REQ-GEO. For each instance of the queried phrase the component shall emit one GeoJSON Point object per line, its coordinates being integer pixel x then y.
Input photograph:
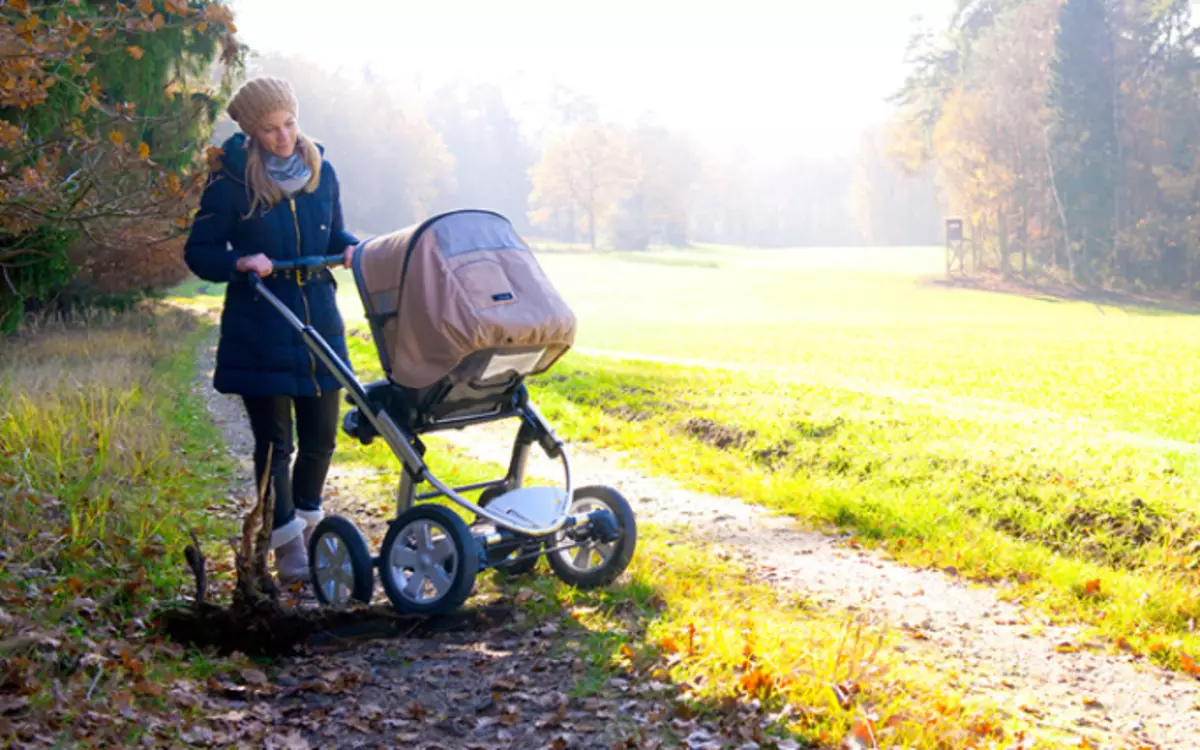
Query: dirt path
{"type": "Point", "coordinates": [492, 689]}
{"type": "Point", "coordinates": [998, 649]}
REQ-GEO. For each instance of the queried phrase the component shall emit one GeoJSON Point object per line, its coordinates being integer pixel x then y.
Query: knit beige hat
{"type": "Point", "coordinates": [259, 97]}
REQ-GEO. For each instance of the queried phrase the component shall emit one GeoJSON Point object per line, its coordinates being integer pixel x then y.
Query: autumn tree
{"type": "Point", "coordinates": [104, 113]}
{"type": "Point", "coordinates": [1065, 131]}
{"type": "Point", "coordinates": [888, 204]}
{"type": "Point", "coordinates": [584, 175]}
{"type": "Point", "coordinates": [661, 200]}
{"type": "Point", "coordinates": [491, 156]}
{"type": "Point", "coordinates": [1084, 136]}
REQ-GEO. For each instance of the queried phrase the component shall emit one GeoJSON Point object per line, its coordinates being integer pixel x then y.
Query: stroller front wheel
{"type": "Point", "coordinates": [596, 563]}
{"type": "Point", "coordinates": [428, 561]}
{"type": "Point", "coordinates": [340, 563]}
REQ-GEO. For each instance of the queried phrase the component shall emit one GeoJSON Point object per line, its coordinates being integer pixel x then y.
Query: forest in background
{"type": "Point", "coordinates": [580, 179]}
{"type": "Point", "coordinates": [1063, 132]}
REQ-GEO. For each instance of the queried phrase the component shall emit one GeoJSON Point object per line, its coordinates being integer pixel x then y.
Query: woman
{"type": "Point", "coordinates": [275, 197]}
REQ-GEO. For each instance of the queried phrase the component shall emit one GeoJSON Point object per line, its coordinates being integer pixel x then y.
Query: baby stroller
{"type": "Point", "coordinates": [461, 313]}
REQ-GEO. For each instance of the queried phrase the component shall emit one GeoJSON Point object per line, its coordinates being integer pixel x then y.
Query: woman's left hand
{"type": "Point", "coordinates": [350, 255]}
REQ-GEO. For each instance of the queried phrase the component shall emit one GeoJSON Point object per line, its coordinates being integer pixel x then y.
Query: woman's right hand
{"type": "Point", "coordinates": [258, 263]}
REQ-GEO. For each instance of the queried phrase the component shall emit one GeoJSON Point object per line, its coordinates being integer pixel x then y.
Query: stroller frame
{"type": "Point", "coordinates": [517, 541]}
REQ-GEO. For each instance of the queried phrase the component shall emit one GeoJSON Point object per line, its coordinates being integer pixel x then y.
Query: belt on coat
{"type": "Point", "coordinates": [304, 276]}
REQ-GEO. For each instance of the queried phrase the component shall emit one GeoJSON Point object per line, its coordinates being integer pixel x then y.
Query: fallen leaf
{"type": "Point", "coordinates": [254, 676]}
{"type": "Point", "coordinates": [145, 687]}
{"type": "Point", "coordinates": [198, 736]}
{"type": "Point", "coordinates": [1066, 647]}
{"type": "Point", "coordinates": [755, 681]}
{"type": "Point", "coordinates": [290, 741]}
{"type": "Point", "coordinates": [1189, 665]}
{"type": "Point", "coordinates": [861, 737]}
{"type": "Point", "coordinates": [233, 717]}
{"type": "Point", "coordinates": [1092, 703]}
{"type": "Point", "coordinates": [12, 704]}
{"type": "Point", "coordinates": [504, 683]}
{"type": "Point", "coordinates": [510, 716]}
{"type": "Point", "coordinates": [1092, 587]}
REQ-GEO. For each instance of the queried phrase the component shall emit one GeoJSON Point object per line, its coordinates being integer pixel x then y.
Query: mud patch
{"type": "Point", "coordinates": [724, 437]}
{"type": "Point", "coordinates": [774, 456]}
{"type": "Point", "coordinates": [626, 412]}
{"type": "Point", "coordinates": [817, 430]}
{"type": "Point", "coordinates": [1109, 534]}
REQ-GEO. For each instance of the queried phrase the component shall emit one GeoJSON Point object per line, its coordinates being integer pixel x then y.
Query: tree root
{"type": "Point", "coordinates": [257, 624]}
{"type": "Point", "coordinates": [277, 631]}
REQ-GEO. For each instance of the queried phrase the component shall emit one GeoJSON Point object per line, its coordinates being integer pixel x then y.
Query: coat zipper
{"type": "Point", "coordinates": [304, 297]}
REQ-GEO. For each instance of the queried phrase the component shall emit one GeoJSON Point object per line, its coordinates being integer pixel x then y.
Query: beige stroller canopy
{"type": "Point", "coordinates": [457, 284]}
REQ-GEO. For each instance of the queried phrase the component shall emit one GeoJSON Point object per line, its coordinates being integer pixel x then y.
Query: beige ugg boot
{"type": "Point", "coordinates": [291, 555]}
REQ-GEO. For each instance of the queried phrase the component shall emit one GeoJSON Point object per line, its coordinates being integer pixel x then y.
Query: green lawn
{"type": "Point", "coordinates": [807, 319]}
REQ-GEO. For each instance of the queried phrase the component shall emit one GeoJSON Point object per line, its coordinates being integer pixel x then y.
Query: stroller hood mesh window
{"type": "Point", "coordinates": [455, 285]}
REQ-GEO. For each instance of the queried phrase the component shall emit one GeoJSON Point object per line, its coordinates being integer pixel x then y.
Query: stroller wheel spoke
{"type": "Point", "coordinates": [583, 557]}
{"type": "Point", "coordinates": [443, 549]}
{"type": "Point", "coordinates": [341, 559]}
{"type": "Point", "coordinates": [424, 541]}
{"type": "Point", "coordinates": [440, 580]}
{"type": "Point", "coordinates": [415, 586]}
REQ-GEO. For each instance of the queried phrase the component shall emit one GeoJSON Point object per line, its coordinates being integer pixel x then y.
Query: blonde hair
{"type": "Point", "coordinates": [250, 104]}
{"type": "Point", "coordinates": [265, 192]}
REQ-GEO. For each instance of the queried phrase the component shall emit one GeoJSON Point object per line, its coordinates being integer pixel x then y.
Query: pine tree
{"type": "Point", "coordinates": [1084, 138]}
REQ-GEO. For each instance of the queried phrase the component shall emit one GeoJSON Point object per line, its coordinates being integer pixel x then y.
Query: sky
{"type": "Point", "coordinates": [766, 79]}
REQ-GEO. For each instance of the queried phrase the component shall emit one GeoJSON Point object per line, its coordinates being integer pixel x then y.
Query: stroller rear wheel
{"type": "Point", "coordinates": [428, 561]}
{"type": "Point", "coordinates": [594, 562]}
{"type": "Point", "coordinates": [340, 563]}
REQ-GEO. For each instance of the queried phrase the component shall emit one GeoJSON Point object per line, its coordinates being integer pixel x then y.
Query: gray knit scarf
{"type": "Point", "coordinates": [291, 174]}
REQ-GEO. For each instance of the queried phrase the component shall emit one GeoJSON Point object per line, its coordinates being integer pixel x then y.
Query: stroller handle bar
{"type": "Point", "coordinates": [309, 262]}
{"type": "Point", "coordinates": [397, 440]}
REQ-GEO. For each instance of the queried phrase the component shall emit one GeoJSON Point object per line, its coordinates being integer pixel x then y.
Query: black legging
{"type": "Point", "coordinates": [316, 429]}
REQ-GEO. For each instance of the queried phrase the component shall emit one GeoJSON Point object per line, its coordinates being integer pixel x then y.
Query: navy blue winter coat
{"type": "Point", "coordinates": [259, 353]}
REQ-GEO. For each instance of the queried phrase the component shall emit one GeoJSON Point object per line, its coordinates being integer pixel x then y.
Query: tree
{"type": "Point", "coordinates": [888, 204]}
{"type": "Point", "coordinates": [491, 158]}
{"type": "Point", "coordinates": [104, 112]}
{"type": "Point", "coordinates": [1084, 138]}
{"type": "Point", "coordinates": [584, 174]}
{"type": "Point", "coordinates": [660, 202]}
